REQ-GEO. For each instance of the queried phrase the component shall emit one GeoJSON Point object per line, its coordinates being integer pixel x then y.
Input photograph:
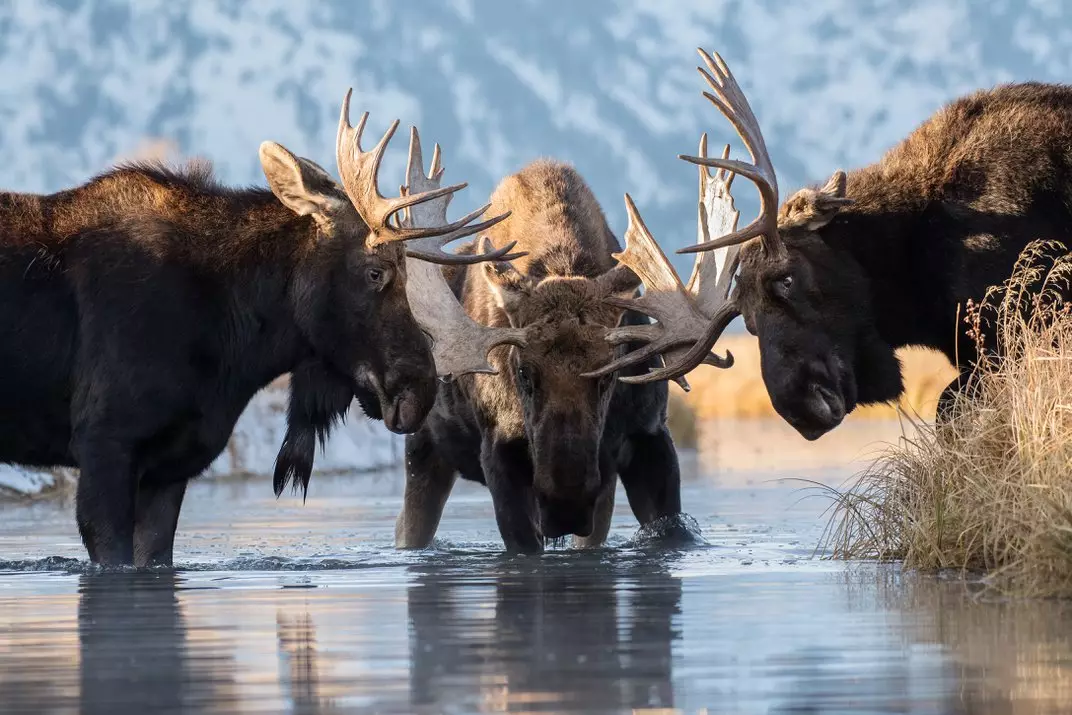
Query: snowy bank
{"type": "Point", "coordinates": [16, 481]}
{"type": "Point", "coordinates": [359, 445]}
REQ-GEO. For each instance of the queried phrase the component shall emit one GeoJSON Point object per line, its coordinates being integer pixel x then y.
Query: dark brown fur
{"type": "Point", "coordinates": [940, 218]}
{"type": "Point", "coordinates": [537, 433]}
{"type": "Point", "coordinates": [139, 313]}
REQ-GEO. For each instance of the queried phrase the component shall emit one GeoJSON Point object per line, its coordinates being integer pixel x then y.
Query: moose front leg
{"type": "Point", "coordinates": [156, 519]}
{"type": "Point", "coordinates": [651, 476]}
{"type": "Point", "coordinates": [604, 511]}
{"type": "Point", "coordinates": [104, 502]}
{"type": "Point", "coordinates": [604, 507]}
{"type": "Point", "coordinates": [429, 480]}
{"type": "Point", "coordinates": [508, 473]}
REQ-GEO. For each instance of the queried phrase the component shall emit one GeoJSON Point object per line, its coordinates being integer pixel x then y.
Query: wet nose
{"type": "Point", "coordinates": [825, 404]}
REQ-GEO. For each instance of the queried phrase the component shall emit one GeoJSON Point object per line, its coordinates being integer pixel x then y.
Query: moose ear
{"type": "Point", "coordinates": [301, 185]}
{"type": "Point", "coordinates": [619, 281]}
{"type": "Point", "coordinates": [812, 209]}
{"type": "Point", "coordinates": [508, 286]}
{"type": "Point", "coordinates": [835, 185]}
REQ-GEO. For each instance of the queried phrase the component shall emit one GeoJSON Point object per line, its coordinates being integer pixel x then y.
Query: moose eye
{"type": "Point", "coordinates": [375, 276]}
{"type": "Point", "coordinates": [783, 285]}
{"type": "Point", "coordinates": [524, 380]}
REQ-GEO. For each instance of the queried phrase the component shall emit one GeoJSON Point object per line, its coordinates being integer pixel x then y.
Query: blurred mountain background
{"type": "Point", "coordinates": [607, 85]}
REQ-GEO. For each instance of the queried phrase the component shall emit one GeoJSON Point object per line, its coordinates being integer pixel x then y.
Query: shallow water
{"type": "Point", "coordinates": [280, 606]}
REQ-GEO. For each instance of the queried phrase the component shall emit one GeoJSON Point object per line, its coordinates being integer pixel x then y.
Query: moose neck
{"type": "Point", "coordinates": [891, 231]}
{"type": "Point", "coordinates": [270, 258]}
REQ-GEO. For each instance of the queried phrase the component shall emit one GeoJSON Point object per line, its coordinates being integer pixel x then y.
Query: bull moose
{"type": "Point", "coordinates": [142, 311]}
{"type": "Point", "coordinates": [548, 442]}
{"type": "Point", "coordinates": [879, 258]}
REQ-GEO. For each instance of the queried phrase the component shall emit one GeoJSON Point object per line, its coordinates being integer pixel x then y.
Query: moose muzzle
{"type": "Point", "coordinates": [566, 477]}
{"type": "Point", "coordinates": [403, 398]}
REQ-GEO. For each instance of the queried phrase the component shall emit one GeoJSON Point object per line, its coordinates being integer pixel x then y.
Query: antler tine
{"type": "Point", "coordinates": [359, 170]}
{"type": "Point", "coordinates": [664, 299]}
{"type": "Point", "coordinates": [433, 252]}
{"type": "Point", "coordinates": [715, 213]}
{"type": "Point", "coordinates": [347, 136]}
{"type": "Point", "coordinates": [435, 171]}
{"type": "Point", "coordinates": [731, 102]}
{"type": "Point", "coordinates": [708, 288]}
{"type": "Point", "coordinates": [460, 345]}
{"type": "Point", "coordinates": [427, 221]}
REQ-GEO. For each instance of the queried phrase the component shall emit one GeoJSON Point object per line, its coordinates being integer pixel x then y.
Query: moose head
{"type": "Point", "coordinates": [806, 301]}
{"type": "Point", "coordinates": [565, 320]}
{"type": "Point", "coordinates": [354, 301]}
{"type": "Point", "coordinates": [557, 325]}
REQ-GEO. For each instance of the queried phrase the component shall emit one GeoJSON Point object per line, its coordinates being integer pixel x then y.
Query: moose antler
{"type": "Point", "coordinates": [359, 169]}
{"type": "Point", "coordinates": [688, 317]}
{"type": "Point", "coordinates": [715, 215]}
{"type": "Point", "coordinates": [460, 344]}
{"type": "Point", "coordinates": [712, 276]}
{"type": "Point", "coordinates": [730, 100]}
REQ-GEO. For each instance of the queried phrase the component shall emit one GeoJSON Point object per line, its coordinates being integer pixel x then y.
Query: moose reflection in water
{"type": "Point", "coordinates": [591, 635]}
{"type": "Point", "coordinates": [299, 662]}
{"type": "Point", "coordinates": [135, 653]}
{"type": "Point", "coordinates": [607, 631]}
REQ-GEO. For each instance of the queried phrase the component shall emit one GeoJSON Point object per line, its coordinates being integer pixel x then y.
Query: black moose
{"type": "Point", "coordinates": [883, 257]}
{"type": "Point", "coordinates": [140, 312]}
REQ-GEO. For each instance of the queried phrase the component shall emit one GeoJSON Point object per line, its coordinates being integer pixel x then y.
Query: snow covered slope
{"type": "Point", "coordinates": [609, 85]}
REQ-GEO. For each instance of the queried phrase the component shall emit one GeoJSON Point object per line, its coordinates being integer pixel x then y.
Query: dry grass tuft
{"type": "Point", "coordinates": [990, 490]}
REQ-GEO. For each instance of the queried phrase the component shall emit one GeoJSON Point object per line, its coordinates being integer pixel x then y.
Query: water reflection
{"type": "Point", "coordinates": [580, 636]}
{"type": "Point", "coordinates": [299, 663]}
{"type": "Point", "coordinates": [746, 625]}
{"type": "Point", "coordinates": [1010, 655]}
{"type": "Point", "coordinates": [135, 650]}
{"type": "Point", "coordinates": [610, 632]}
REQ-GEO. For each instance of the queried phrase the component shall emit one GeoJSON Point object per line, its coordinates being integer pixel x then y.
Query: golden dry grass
{"type": "Point", "coordinates": [739, 392]}
{"type": "Point", "coordinates": [991, 490]}
{"type": "Point", "coordinates": [681, 419]}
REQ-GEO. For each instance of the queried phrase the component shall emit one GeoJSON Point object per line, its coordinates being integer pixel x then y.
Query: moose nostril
{"type": "Point", "coordinates": [404, 412]}
{"type": "Point", "coordinates": [829, 403]}
{"type": "Point", "coordinates": [395, 418]}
